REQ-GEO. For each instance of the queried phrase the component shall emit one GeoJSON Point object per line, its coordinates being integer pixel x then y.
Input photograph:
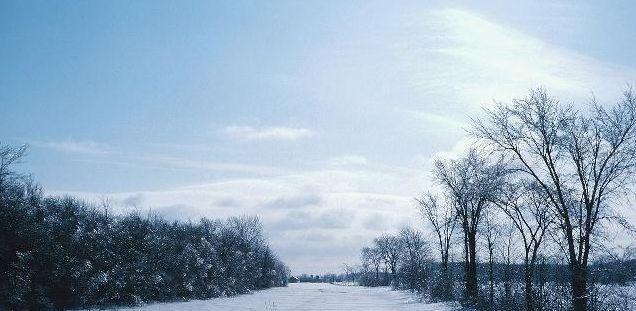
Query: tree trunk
{"type": "Point", "coordinates": [491, 278]}
{"type": "Point", "coordinates": [542, 281]}
{"type": "Point", "coordinates": [377, 275]}
{"type": "Point", "coordinates": [579, 288]}
{"type": "Point", "coordinates": [471, 277]}
{"type": "Point", "coordinates": [386, 276]}
{"type": "Point", "coordinates": [507, 288]}
{"type": "Point", "coordinates": [528, 287]}
{"type": "Point", "coordinates": [466, 263]}
{"type": "Point", "coordinates": [446, 284]}
{"type": "Point", "coordinates": [393, 282]}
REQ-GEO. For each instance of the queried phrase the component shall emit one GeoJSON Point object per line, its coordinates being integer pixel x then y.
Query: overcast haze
{"type": "Point", "coordinates": [322, 118]}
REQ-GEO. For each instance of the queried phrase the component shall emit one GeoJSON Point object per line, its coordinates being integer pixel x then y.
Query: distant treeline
{"type": "Point", "coordinates": [60, 253]}
{"type": "Point", "coordinates": [326, 278]}
{"type": "Point", "coordinates": [606, 272]}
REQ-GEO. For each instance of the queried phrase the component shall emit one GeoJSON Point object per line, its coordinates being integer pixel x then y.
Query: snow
{"type": "Point", "coordinates": [308, 297]}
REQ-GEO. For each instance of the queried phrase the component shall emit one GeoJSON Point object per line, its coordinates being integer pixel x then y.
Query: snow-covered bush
{"type": "Point", "coordinates": [60, 253]}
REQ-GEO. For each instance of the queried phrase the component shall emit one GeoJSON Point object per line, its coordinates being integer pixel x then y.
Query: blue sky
{"type": "Point", "coordinates": [321, 117]}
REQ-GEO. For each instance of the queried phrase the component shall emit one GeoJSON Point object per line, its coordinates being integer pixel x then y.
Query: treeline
{"type": "Point", "coordinates": [526, 209]}
{"type": "Point", "coordinates": [439, 283]}
{"type": "Point", "coordinates": [58, 253]}
{"type": "Point", "coordinates": [401, 260]}
{"type": "Point", "coordinates": [325, 278]}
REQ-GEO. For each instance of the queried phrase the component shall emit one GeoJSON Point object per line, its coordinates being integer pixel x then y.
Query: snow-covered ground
{"type": "Point", "coordinates": [308, 297]}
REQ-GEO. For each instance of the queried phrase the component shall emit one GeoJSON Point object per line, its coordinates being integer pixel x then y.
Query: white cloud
{"type": "Point", "coordinates": [338, 204]}
{"type": "Point", "coordinates": [459, 149]}
{"type": "Point", "coordinates": [433, 122]}
{"type": "Point", "coordinates": [180, 162]}
{"type": "Point", "coordinates": [71, 146]}
{"type": "Point", "coordinates": [464, 59]}
{"type": "Point", "coordinates": [267, 133]}
{"type": "Point", "coordinates": [154, 161]}
{"type": "Point", "coordinates": [347, 160]}
{"type": "Point", "coordinates": [306, 198]}
{"type": "Point", "coordinates": [133, 200]}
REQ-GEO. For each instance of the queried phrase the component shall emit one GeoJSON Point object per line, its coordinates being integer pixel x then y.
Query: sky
{"type": "Point", "coordinates": [321, 117]}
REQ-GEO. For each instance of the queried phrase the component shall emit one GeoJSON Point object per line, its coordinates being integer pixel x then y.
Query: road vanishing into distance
{"type": "Point", "coordinates": [308, 297]}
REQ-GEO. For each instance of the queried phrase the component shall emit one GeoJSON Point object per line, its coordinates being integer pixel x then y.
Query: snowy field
{"type": "Point", "coordinates": [308, 297]}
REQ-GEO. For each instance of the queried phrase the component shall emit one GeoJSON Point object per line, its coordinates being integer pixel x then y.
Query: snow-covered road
{"type": "Point", "coordinates": [308, 297]}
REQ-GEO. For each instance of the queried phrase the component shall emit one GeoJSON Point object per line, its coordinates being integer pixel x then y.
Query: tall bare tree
{"type": "Point", "coordinates": [506, 249]}
{"type": "Point", "coordinates": [472, 183]}
{"type": "Point", "coordinates": [581, 161]}
{"type": "Point", "coordinates": [442, 217]}
{"type": "Point", "coordinates": [527, 208]}
{"type": "Point", "coordinates": [491, 232]}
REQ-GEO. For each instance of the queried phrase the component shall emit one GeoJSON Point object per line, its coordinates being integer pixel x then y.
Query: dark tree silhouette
{"type": "Point", "coordinates": [443, 219]}
{"type": "Point", "coordinates": [581, 162]}
{"type": "Point", "coordinates": [58, 253]}
{"type": "Point", "coordinates": [472, 183]}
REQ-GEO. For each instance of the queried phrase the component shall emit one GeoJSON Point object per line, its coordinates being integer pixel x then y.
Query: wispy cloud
{"type": "Point", "coordinates": [267, 133]}
{"type": "Point", "coordinates": [296, 201]}
{"type": "Point", "coordinates": [433, 122]}
{"type": "Point", "coordinates": [347, 160]}
{"type": "Point", "coordinates": [472, 60]}
{"type": "Point", "coordinates": [103, 153]}
{"type": "Point", "coordinates": [71, 146]}
{"type": "Point", "coordinates": [186, 163]}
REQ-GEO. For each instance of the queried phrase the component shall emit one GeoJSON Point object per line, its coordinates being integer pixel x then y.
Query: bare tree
{"type": "Point", "coordinates": [580, 161]}
{"type": "Point", "coordinates": [527, 208]}
{"type": "Point", "coordinates": [415, 253]}
{"type": "Point", "coordinates": [442, 218]}
{"type": "Point", "coordinates": [350, 272]}
{"type": "Point", "coordinates": [372, 257]}
{"type": "Point", "coordinates": [391, 248]}
{"type": "Point", "coordinates": [472, 183]}
{"type": "Point", "coordinates": [9, 155]}
{"type": "Point", "coordinates": [491, 231]}
{"type": "Point", "coordinates": [506, 247]}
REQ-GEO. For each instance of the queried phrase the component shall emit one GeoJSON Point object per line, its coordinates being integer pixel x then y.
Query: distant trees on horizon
{"type": "Point", "coordinates": [58, 253]}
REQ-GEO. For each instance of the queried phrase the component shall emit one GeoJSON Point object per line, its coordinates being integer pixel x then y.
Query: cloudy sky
{"type": "Point", "coordinates": [320, 117]}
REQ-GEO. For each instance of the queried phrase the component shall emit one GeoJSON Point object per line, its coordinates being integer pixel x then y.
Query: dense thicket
{"type": "Point", "coordinates": [60, 253]}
